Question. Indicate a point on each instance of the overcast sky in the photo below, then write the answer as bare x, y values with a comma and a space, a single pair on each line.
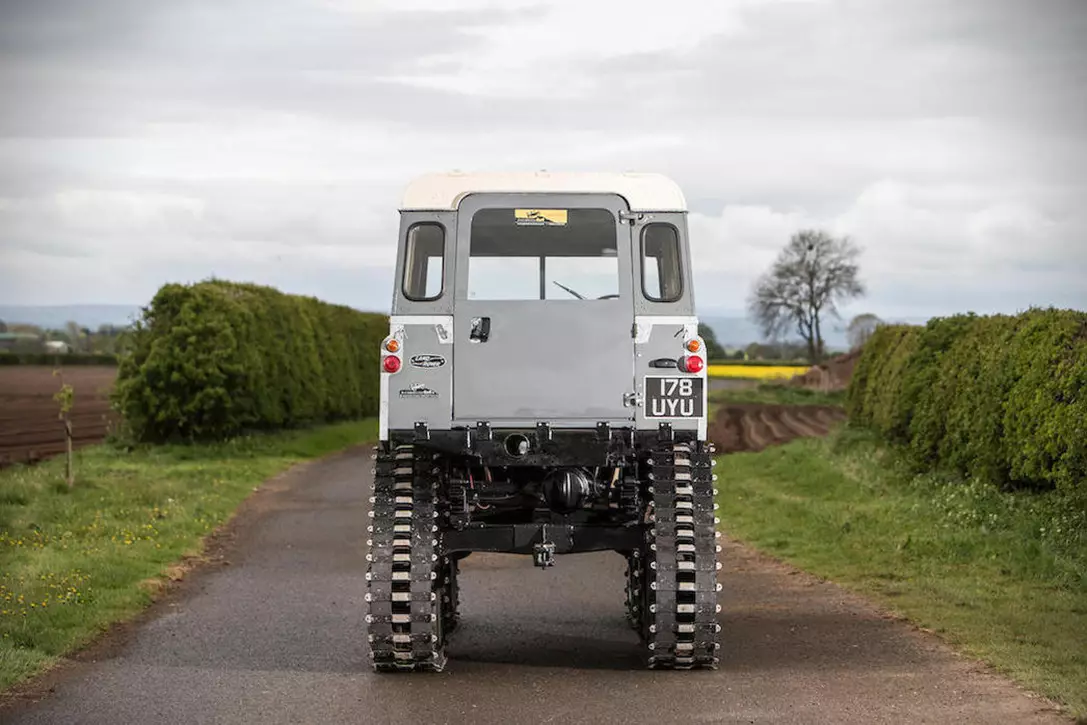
145, 142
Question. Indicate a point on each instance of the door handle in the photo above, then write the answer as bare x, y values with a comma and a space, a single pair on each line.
481, 329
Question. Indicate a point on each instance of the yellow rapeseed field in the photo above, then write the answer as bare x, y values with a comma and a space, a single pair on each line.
760, 372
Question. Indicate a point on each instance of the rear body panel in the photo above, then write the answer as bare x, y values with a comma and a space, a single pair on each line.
659, 338
423, 389
513, 356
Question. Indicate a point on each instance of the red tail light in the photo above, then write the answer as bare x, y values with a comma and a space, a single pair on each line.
391, 364
692, 364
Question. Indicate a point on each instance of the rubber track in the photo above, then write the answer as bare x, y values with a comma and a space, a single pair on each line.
681, 561
405, 580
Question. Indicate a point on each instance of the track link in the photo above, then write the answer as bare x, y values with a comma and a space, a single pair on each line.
409, 587
677, 571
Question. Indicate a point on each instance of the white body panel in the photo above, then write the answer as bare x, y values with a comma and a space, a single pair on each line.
643, 192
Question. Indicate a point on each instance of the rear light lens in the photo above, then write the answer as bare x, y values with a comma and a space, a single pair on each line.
692, 364
393, 345
693, 346
391, 364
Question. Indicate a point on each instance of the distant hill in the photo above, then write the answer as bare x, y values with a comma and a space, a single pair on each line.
57, 316
733, 329
737, 331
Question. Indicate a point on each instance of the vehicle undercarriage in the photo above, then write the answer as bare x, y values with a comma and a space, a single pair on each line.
649, 497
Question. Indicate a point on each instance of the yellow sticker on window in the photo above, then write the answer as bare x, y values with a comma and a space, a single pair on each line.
540, 217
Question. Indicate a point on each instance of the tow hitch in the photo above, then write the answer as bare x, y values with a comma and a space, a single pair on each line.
543, 555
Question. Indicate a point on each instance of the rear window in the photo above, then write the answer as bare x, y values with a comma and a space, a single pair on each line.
661, 277
543, 254
424, 262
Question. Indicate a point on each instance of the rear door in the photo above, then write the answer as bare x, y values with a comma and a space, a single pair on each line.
544, 311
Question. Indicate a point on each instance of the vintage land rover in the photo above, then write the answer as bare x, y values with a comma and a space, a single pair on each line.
543, 392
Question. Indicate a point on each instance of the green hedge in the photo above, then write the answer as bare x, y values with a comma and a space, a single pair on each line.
1002, 398
56, 359
210, 360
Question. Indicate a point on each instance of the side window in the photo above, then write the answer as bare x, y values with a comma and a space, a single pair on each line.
661, 277
424, 262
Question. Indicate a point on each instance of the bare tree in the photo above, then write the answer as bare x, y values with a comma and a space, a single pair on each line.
861, 328
810, 277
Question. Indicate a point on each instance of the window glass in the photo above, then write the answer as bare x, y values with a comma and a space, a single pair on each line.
504, 278
661, 278
424, 262
543, 254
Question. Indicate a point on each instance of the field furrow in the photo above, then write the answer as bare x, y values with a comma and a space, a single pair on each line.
29, 426
742, 427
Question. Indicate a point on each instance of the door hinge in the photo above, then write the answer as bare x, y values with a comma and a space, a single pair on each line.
630, 216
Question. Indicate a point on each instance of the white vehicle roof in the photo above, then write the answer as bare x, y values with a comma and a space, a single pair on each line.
444, 191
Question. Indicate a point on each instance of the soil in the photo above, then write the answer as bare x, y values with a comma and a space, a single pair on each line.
834, 374
741, 427
30, 428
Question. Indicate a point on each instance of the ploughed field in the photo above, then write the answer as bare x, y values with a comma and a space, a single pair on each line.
740, 427
30, 428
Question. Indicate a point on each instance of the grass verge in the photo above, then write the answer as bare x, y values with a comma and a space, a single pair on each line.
1000, 576
772, 393
74, 562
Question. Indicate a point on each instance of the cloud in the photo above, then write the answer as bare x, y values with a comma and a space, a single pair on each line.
925, 249
148, 142
505, 63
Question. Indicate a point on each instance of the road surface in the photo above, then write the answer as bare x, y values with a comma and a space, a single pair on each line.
274, 634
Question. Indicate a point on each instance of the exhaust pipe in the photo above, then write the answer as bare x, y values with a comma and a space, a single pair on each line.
517, 445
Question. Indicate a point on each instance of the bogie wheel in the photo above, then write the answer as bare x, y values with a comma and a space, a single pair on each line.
635, 591
450, 595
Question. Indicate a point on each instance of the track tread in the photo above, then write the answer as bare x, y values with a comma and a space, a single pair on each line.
407, 584
679, 566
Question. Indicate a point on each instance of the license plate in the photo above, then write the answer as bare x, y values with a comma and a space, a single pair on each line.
673, 397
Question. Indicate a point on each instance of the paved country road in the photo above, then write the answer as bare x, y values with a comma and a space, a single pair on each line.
276, 636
